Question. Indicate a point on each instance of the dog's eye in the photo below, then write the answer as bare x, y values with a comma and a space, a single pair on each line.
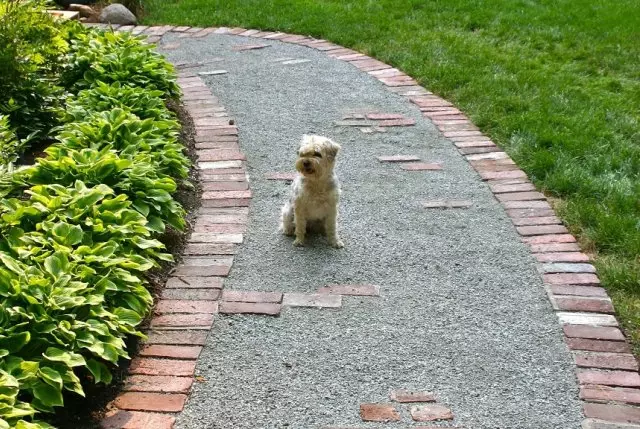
317, 154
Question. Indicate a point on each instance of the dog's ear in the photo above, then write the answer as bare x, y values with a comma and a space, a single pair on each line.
331, 148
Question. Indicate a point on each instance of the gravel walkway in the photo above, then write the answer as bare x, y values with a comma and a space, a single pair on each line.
462, 311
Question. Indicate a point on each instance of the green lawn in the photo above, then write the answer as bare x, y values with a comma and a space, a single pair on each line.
556, 83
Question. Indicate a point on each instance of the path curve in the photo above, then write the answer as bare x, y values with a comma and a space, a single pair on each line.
453, 304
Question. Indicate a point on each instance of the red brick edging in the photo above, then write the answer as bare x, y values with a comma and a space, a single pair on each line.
163, 373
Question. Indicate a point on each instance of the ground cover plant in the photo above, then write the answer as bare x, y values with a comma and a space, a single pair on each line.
79, 227
555, 83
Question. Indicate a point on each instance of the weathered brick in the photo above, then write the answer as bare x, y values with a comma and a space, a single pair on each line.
227, 202
179, 337
478, 150
210, 294
227, 228
593, 332
153, 366
146, 401
396, 123
185, 306
521, 204
407, 396
598, 346
225, 186
598, 393
554, 247
541, 230
158, 383
170, 352
351, 289
476, 142
224, 195
384, 116
193, 321
421, 166
430, 412
578, 290
231, 217
199, 249
618, 361
566, 267
398, 158
570, 318
612, 413
586, 304
538, 220
203, 271
270, 309
251, 296
571, 279
561, 257
312, 300
551, 238
202, 237
121, 419
429, 101
516, 188
379, 413
220, 155
463, 134
530, 212
194, 283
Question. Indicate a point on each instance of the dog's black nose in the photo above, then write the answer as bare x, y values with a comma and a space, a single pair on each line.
306, 163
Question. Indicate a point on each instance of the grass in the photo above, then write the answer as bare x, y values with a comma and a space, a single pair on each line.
556, 83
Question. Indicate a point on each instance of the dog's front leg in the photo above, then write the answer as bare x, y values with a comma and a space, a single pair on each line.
301, 225
330, 227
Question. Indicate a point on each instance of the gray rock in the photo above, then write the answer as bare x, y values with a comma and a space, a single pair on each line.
117, 14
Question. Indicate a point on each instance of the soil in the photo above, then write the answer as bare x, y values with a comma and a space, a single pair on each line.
86, 413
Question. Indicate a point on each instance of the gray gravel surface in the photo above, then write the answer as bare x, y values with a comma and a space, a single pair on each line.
462, 311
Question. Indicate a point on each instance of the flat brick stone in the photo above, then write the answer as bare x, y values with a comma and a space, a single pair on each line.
530, 212
288, 177
567, 318
447, 204
593, 332
269, 309
220, 155
612, 413
223, 195
225, 228
599, 424
598, 345
550, 238
194, 283
421, 166
170, 352
186, 306
352, 290
121, 419
179, 337
408, 396
222, 217
578, 290
158, 383
312, 300
539, 220
541, 230
216, 238
225, 186
586, 304
398, 158
227, 202
429, 101
430, 412
379, 413
396, 123
384, 116
518, 204
561, 257
571, 279
554, 247
517, 188
210, 294
153, 366
145, 401
598, 393
567, 267
204, 271
194, 321
618, 361
201, 249
251, 296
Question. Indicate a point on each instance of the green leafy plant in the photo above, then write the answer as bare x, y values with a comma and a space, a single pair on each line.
118, 57
32, 47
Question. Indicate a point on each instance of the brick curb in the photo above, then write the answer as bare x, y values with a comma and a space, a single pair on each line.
607, 371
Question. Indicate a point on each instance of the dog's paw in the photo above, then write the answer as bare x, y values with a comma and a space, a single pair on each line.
298, 243
338, 244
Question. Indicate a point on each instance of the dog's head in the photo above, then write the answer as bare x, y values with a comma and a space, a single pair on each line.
316, 156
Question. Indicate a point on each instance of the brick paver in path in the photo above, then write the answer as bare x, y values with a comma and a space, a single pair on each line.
422, 346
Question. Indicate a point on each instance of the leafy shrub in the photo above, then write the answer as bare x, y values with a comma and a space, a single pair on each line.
32, 47
71, 283
118, 57
130, 136
9, 144
144, 103
138, 178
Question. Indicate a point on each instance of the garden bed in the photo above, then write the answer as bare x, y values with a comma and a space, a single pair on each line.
95, 191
